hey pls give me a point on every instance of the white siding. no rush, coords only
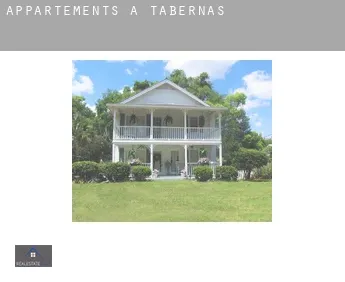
(165, 96)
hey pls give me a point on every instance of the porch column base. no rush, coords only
(116, 153)
(151, 158)
(220, 155)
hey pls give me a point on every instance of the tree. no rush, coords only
(82, 126)
(249, 159)
(179, 78)
(141, 85)
(235, 125)
(253, 140)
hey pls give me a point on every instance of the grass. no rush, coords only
(178, 201)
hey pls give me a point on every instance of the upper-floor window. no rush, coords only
(193, 122)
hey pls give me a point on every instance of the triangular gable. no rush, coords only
(184, 98)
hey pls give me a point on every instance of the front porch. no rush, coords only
(169, 160)
(149, 123)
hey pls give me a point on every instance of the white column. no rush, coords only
(114, 124)
(151, 129)
(185, 124)
(116, 154)
(151, 157)
(220, 155)
(213, 153)
(113, 153)
(186, 158)
(220, 125)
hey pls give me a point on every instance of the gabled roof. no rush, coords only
(165, 81)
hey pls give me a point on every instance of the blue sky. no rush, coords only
(254, 78)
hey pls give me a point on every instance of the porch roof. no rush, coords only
(112, 107)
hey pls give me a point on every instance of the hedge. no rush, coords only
(85, 170)
(228, 173)
(141, 172)
(203, 173)
(263, 173)
(116, 172)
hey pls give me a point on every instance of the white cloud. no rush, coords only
(81, 84)
(255, 119)
(258, 88)
(92, 107)
(215, 69)
(257, 84)
(258, 123)
(255, 103)
(140, 62)
(129, 72)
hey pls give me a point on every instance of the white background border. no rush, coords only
(305, 242)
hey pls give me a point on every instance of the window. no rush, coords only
(194, 156)
(33, 254)
(193, 122)
(122, 154)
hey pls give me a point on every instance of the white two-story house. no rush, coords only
(172, 126)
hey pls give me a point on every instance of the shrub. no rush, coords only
(85, 170)
(203, 173)
(116, 172)
(141, 172)
(264, 172)
(249, 159)
(228, 173)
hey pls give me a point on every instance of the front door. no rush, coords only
(157, 161)
(174, 160)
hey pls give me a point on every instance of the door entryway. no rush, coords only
(157, 161)
(174, 162)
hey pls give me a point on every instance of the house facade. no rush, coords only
(168, 128)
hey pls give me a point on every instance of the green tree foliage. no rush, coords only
(253, 140)
(235, 125)
(141, 85)
(249, 159)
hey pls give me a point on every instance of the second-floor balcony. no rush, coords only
(167, 133)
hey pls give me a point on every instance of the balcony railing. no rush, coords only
(167, 133)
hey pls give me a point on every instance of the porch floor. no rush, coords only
(169, 177)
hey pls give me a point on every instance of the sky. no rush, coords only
(254, 78)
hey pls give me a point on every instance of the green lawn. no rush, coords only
(180, 200)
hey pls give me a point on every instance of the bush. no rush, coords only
(249, 159)
(85, 170)
(228, 173)
(141, 172)
(116, 172)
(264, 172)
(203, 173)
